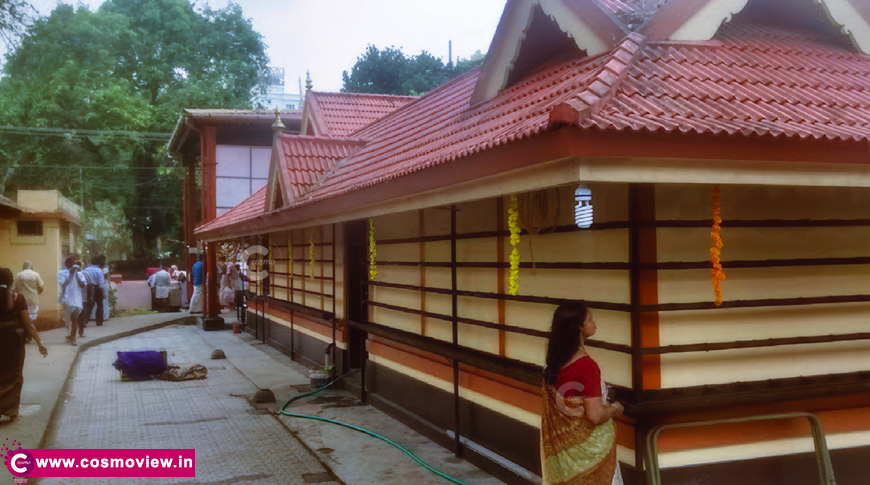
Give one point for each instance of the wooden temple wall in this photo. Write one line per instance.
(771, 252)
(315, 292)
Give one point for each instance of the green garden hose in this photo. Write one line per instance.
(361, 430)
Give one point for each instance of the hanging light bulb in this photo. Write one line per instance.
(583, 210)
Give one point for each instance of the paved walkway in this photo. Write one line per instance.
(44, 378)
(236, 441)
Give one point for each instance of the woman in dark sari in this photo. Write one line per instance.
(13, 317)
(578, 435)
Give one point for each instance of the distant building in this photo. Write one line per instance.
(42, 228)
(276, 96)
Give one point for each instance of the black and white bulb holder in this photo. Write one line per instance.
(583, 209)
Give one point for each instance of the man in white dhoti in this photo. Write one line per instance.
(162, 283)
(29, 284)
(196, 299)
(70, 298)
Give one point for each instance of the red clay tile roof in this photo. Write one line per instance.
(750, 80)
(307, 158)
(253, 206)
(342, 114)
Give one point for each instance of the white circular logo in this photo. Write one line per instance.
(257, 268)
(14, 462)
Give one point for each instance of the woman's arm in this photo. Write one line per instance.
(598, 412)
(25, 320)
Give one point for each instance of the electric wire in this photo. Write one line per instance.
(414, 457)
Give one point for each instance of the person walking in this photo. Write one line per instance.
(181, 277)
(196, 299)
(70, 298)
(94, 299)
(162, 283)
(578, 435)
(14, 316)
(29, 284)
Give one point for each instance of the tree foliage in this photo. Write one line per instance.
(14, 16)
(390, 71)
(105, 231)
(130, 65)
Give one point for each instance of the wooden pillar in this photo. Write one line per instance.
(212, 320)
(457, 436)
(190, 223)
(208, 150)
(646, 369)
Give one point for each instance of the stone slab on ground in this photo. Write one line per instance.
(44, 378)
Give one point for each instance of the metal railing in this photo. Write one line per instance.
(823, 458)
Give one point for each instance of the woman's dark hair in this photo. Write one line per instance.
(6, 279)
(568, 322)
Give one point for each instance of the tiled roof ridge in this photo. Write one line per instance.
(342, 93)
(602, 86)
(321, 138)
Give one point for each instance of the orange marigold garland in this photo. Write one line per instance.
(716, 249)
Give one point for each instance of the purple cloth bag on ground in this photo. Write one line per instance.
(140, 365)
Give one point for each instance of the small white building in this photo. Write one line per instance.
(276, 97)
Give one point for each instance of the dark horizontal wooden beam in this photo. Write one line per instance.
(770, 223)
(660, 403)
(624, 307)
(626, 349)
(512, 368)
(314, 312)
(300, 290)
(308, 277)
(774, 302)
(674, 265)
(749, 344)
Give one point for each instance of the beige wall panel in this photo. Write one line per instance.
(396, 226)
(403, 275)
(476, 250)
(583, 247)
(720, 367)
(615, 366)
(529, 315)
(690, 327)
(745, 243)
(478, 309)
(692, 202)
(613, 326)
(397, 297)
(438, 277)
(597, 285)
(437, 222)
(398, 252)
(476, 216)
(525, 348)
(438, 303)
(339, 270)
(477, 279)
(438, 251)
(483, 339)
(396, 319)
(761, 283)
(439, 329)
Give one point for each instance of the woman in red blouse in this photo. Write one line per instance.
(578, 435)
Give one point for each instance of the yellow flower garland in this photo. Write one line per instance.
(271, 286)
(716, 249)
(514, 226)
(373, 251)
(311, 253)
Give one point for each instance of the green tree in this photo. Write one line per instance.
(105, 230)
(130, 65)
(14, 15)
(390, 71)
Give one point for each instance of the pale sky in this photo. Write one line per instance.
(326, 36)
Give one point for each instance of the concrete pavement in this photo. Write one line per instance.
(44, 378)
(236, 441)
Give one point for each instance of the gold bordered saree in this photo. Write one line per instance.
(573, 450)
